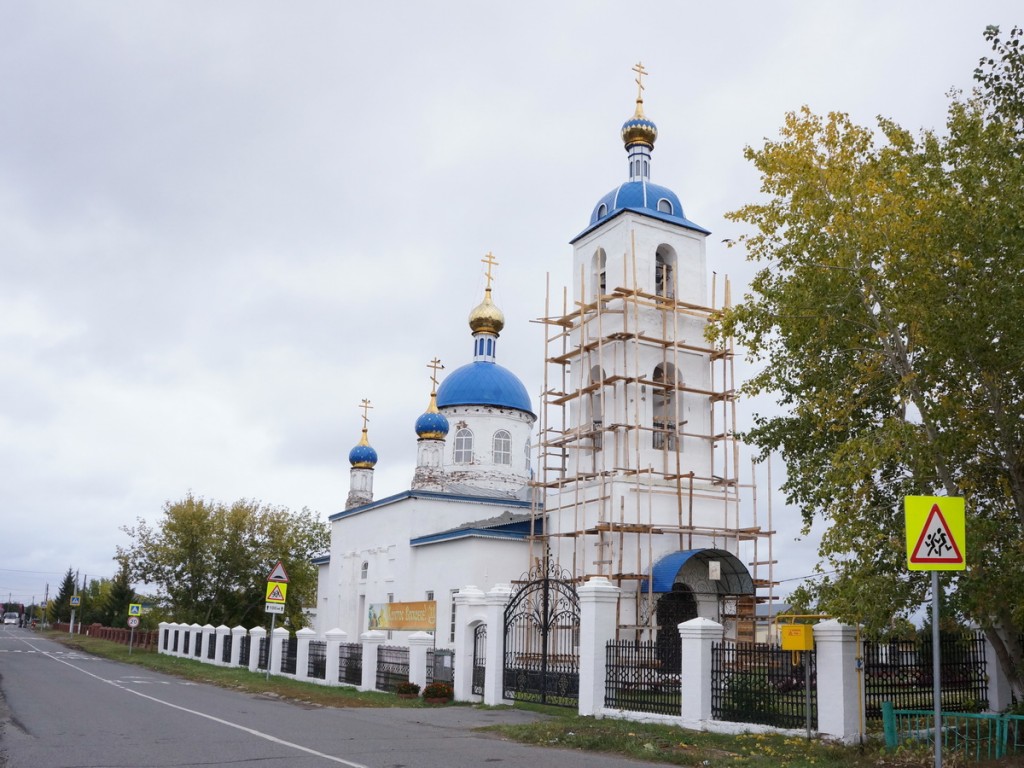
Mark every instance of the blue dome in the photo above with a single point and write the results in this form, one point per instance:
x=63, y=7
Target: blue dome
x=432, y=425
x=362, y=457
x=483, y=383
x=641, y=197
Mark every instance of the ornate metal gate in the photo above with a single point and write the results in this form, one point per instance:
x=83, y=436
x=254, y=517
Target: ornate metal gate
x=542, y=627
x=479, y=658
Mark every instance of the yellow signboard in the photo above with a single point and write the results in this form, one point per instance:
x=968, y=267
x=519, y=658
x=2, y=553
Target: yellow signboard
x=404, y=616
x=936, y=539
x=135, y=609
x=276, y=591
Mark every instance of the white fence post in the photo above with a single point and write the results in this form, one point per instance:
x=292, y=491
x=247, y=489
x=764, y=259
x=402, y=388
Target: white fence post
x=218, y=653
x=469, y=614
x=1000, y=692
x=334, y=638
x=840, y=699
x=419, y=642
x=372, y=641
x=237, y=633
x=697, y=637
x=303, y=636
x=277, y=659
x=598, y=601
x=164, y=638
x=256, y=634
x=495, y=602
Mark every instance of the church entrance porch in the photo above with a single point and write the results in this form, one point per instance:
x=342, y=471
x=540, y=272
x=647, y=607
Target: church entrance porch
x=542, y=625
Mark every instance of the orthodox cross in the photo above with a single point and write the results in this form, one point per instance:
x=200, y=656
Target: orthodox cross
x=436, y=365
x=490, y=261
x=640, y=72
x=365, y=405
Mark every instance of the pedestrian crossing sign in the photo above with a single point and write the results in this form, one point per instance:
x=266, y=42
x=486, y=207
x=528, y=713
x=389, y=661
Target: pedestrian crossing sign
x=276, y=591
x=936, y=539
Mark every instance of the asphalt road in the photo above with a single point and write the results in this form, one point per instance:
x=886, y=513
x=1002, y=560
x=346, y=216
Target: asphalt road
x=65, y=709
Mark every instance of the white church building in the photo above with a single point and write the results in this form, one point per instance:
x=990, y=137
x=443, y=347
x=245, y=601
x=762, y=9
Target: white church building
x=637, y=467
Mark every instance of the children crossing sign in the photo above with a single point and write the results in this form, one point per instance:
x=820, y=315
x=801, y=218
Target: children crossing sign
x=935, y=533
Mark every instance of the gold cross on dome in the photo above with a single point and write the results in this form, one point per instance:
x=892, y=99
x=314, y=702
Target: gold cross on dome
x=365, y=405
x=490, y=261
x=436, y=365
x=640, y=72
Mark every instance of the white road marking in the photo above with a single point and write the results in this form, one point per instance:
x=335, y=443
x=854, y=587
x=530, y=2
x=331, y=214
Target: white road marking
x=251, y=731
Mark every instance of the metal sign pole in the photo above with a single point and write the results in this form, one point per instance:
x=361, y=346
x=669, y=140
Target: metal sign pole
x=936, y=670
x=807, y=692
x=270, y=646
x=131, y=641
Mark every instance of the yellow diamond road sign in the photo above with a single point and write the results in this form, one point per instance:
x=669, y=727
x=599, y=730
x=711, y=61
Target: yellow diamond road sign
x=276, y=591
x=936, y=539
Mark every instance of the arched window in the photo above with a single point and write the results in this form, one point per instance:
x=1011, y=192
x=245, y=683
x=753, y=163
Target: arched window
x=595, y=405
x=363, y=570
x=664, y=421
x=502, y=447
x=665, y=272
x=464, y=446
x=526, y=450
x=599, y=273
x=665, y=206
x=602, y=211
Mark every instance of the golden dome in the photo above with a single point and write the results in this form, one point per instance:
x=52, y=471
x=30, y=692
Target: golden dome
x=638, y=129
x=486, y=318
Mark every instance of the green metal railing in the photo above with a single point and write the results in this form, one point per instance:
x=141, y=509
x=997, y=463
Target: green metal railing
x=977, y=736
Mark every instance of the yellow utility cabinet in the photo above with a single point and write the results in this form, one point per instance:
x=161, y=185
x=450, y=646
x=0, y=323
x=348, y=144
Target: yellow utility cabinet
x=797, y=637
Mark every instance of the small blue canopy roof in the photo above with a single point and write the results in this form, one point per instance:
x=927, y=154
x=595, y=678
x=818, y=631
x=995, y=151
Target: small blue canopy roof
x=735, y=578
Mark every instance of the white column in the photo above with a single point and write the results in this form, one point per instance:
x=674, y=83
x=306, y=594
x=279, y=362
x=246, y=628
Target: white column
x=209, y=636
x=469, y=613
x=598, y=600
x=840, y=698
x=494, y=609
x=371, y=640
x=164, y=638
x=697, y=636
x=256, y=634
x=237, y=633
x=334, y=638
x=277, y=658
x=303, y=636
x=1000, y=692
x=218, y=654
x=419, y=642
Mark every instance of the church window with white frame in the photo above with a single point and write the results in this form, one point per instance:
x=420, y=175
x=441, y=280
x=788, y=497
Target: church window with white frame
x=502, y=447
x=364, y=569
x=463, y=446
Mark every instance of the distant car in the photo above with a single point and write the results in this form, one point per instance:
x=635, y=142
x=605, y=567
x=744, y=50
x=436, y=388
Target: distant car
x=11, y=618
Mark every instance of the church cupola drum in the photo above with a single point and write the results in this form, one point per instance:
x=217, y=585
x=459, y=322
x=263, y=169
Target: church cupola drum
x=363, y=459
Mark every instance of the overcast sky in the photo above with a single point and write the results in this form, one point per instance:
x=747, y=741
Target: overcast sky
x=224, y=224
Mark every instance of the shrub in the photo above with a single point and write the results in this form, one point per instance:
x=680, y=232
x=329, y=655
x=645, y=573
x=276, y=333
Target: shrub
x=407, y=687
x=438, y=691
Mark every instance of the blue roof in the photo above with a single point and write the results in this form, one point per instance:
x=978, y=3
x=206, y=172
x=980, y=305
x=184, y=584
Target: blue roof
x=483, y=383
x=362, y=456
x=432, y=424
x=640, y=197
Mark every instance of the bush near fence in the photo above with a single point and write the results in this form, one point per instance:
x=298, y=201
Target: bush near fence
x=143, y=638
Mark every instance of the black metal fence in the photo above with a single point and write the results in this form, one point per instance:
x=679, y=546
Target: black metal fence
x=174, y=647
x=350, y=663
x=225, y=655
x=316, y=666
x=757, y=683
x=264, y=651
x=901, y=671
x=211, y=649
x=392, y=667
x=440, y=665
x=186, y=636
x=244, y=650
x=479, y=658
x=289, y=654
x=636, y=680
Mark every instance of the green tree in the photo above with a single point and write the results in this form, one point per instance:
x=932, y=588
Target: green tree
x=210, y=561
x=887, y=314
x=120, y=595
x=59, y=608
